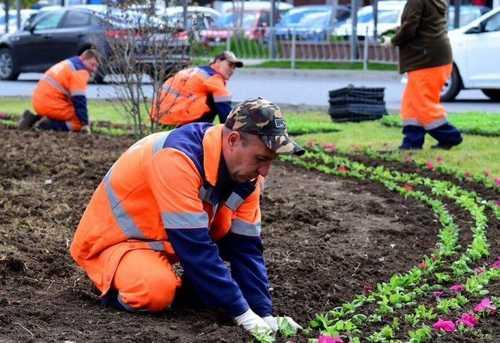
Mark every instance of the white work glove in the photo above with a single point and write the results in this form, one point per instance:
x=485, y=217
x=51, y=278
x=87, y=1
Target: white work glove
x=385, y=41
x=252, y=322
x=85, y=129
x=276, y=322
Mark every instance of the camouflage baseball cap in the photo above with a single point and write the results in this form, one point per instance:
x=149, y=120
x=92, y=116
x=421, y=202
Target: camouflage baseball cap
x=265, y=119
x=228, y=56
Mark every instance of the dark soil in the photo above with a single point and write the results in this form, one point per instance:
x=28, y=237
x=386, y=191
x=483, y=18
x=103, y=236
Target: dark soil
x=326, y=240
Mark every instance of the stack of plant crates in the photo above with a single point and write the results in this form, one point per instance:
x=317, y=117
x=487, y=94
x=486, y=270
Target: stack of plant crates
x=357, y=104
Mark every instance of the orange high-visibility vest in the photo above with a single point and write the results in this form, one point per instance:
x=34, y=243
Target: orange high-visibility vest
x=158, y=184
x=184, y=97
x=52, y=95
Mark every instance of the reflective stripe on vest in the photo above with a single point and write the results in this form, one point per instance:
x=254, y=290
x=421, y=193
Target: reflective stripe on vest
x=160, y=141
x=436, y=124
x=245, y=229
x=124, y=221
x=433, y=125
x=411, y=122
x=185, y=220
x=234, y=201
x=55, y=84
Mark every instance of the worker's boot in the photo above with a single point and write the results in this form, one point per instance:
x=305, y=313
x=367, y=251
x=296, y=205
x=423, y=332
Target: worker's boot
x=28, y=119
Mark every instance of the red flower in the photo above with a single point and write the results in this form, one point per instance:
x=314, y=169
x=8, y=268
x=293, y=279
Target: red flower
x=367, y=288
x=407, y=187
x=342, y=169
x=429, y=165
x=423, y=265
x=330, y=147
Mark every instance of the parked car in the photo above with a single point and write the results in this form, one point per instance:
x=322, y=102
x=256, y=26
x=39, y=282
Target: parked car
x=389, y=18
x=309, y=22
x=55, y=34
x=234, y=6
x=467, y=14
x=476, y=49
x=198, y=17
x=251, y=24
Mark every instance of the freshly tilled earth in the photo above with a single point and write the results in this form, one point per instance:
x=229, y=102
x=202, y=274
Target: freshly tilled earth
x=326, y=240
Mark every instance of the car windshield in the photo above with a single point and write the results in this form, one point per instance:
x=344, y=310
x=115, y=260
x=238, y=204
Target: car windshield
x=292, y=18
x=365, y=15
x=467, y=14
x=316, y=20
x=232, y=19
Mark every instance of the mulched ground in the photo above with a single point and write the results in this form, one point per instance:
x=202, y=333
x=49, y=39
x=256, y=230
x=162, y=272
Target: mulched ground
x=326, y=239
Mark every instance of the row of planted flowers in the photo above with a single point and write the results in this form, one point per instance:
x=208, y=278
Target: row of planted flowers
x=420, y=297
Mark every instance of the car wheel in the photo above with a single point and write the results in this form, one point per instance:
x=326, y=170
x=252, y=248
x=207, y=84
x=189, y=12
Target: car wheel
x=493, y=94
x=8, y=68
x=452, y=87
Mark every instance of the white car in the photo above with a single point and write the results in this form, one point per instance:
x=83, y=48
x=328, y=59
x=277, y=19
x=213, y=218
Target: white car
x=476, y=51
x=199, y=18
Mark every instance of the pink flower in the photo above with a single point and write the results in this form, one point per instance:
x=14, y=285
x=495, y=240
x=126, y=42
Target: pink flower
x=498, y=203
x=329, y=147
x=458, y=288
x=438, y=294
x=497, y=181
x=496, y=264
x=429, y=165
x=480, y=270
x=329, y=339
x=485, y=306
x=467, y=319
x=444, y=325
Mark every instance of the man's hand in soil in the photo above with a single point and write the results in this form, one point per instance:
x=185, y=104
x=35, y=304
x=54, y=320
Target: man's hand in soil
x=252, y=322
x=276, y=322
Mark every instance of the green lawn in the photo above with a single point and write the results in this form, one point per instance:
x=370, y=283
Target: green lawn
x=312, y=65
x=478, y=154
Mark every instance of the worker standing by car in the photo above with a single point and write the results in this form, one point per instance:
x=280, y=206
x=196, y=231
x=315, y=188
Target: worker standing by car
x=196, y=94
x=425, y=54
x=59, y=98
x=190, y=195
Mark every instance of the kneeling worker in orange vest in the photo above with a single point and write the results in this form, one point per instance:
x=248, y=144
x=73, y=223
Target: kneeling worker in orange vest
x=196, y=94
x=60, y=95
x=190, y=195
